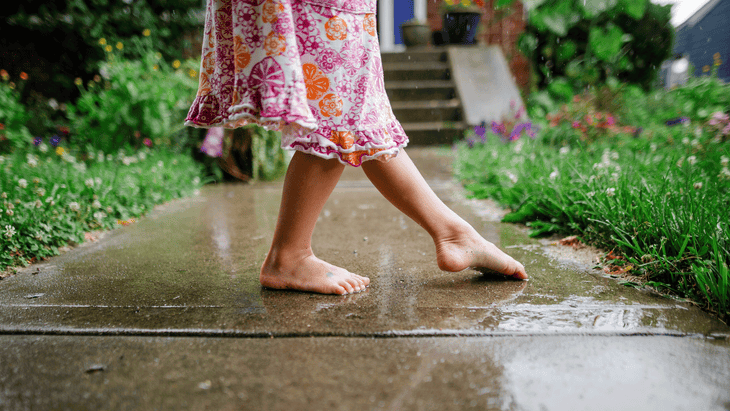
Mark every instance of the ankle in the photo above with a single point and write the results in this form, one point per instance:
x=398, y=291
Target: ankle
x=285, y=258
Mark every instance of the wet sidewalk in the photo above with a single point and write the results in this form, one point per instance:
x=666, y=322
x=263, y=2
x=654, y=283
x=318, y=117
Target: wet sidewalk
x=167, y=313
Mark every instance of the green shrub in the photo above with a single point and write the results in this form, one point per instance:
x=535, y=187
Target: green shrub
x=58, y=39
x=133, y=102
x=13, y=116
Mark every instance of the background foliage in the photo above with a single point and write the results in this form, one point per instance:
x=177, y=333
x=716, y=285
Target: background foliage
x=56, y=41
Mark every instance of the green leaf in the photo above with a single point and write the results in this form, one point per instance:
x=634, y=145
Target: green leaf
x=634, y=8
x=567, y=50
x=561, y=88
x=503, y=3
x=606, y=42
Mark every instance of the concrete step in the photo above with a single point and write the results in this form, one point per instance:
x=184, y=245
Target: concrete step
x=427, y=110
x=415, y=56
x=427, y=70
x=420, y=90
x=434, y=132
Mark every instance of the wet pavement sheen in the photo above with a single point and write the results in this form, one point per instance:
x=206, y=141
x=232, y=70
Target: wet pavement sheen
x=189, y=270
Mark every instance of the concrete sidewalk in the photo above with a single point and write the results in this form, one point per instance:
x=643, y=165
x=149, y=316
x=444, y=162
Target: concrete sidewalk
x=167, y=313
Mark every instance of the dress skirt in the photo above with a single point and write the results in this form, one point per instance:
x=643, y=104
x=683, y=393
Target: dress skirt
x=309, y=68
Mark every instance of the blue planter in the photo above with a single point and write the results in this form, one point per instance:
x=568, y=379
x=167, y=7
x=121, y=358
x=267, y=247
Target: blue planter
x=460, y=27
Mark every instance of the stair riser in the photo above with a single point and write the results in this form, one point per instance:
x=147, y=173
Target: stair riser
x=412, y=57
x=409, y=115
x=425, y=93
x=396, y=75
x=433, y=137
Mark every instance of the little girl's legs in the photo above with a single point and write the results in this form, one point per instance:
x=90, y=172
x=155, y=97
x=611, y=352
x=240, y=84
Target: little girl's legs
x=458, y=245
x=291, y=264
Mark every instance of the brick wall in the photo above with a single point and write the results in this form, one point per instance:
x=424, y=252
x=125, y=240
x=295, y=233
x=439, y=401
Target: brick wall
x=503, y=33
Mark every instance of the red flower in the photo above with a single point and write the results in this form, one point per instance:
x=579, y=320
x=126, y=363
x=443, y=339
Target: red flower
x=23, y=75
x=2, y=126
x=147, y=142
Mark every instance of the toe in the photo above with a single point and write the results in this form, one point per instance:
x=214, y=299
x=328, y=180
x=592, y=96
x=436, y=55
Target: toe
x=348, y=287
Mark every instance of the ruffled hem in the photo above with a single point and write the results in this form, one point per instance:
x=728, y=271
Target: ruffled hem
x=303, y=134
x=350, y=147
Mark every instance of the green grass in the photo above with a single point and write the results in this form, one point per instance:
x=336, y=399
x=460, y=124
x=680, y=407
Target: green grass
x=50, y=198
x=661, y=200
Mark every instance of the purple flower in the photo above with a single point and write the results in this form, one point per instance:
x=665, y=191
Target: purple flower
x=498, y=128
x=481, y=131
x=213, y=143
x=147, y=142
x=37, y=141
x=55, y=140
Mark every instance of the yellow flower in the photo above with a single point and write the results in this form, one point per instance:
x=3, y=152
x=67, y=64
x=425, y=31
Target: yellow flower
x=78, y=81
x=192, y=73
x=155, y=67
x=146, y=32
x=718, y=62
x=60, y=151
x=108, y=48
x=176, y=64
x=102, y=41
x=120, y=45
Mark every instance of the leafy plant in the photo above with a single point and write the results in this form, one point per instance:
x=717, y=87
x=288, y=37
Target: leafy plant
x=587, y=42
x=133, y=102
x=454, y=6
x=13, y=116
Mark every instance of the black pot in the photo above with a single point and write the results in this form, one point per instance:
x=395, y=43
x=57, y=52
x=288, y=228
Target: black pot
x=460, y=27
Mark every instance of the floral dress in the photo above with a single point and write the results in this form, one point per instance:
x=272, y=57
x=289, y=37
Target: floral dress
x=310, y=68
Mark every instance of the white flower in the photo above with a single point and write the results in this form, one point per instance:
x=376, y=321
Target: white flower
x=99, y=215
x=9, y=231
x=74, y=206
x=695, y=143
x=591, y=193
x=512, y=177
x=614, y=156
x=96, y=204
x=53, y=103
x=160, y=164
x=554, y=174
x=2, y=159
x=698, y=185
x=97, y=180
x=38, y=204
x=89, y=182
x=43, y=147
x=610, y=192
x=142, y=156
x=32, y=160
x=652, y=147
x=724, y=160
x=4, y=195
x=49, y=199
x=80, y=167
x=40, y=191
x=9, y=212
x=100, y=156
x=196, y=181
x=109, y=157
x=109, y=210
x=691, y=159
x=127, y=161
x=564, y=150
x=22, y=183
x=685, y=140
x=724, y=173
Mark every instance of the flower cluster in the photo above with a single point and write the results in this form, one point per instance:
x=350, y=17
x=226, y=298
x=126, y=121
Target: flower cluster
x=720, y=124
x=449, y=6
x=510, y=129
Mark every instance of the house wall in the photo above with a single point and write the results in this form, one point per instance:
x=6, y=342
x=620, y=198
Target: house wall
x=709, y=36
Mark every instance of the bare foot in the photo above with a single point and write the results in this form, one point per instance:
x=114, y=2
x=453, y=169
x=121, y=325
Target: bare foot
x=313, y=275
x=466, y=248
